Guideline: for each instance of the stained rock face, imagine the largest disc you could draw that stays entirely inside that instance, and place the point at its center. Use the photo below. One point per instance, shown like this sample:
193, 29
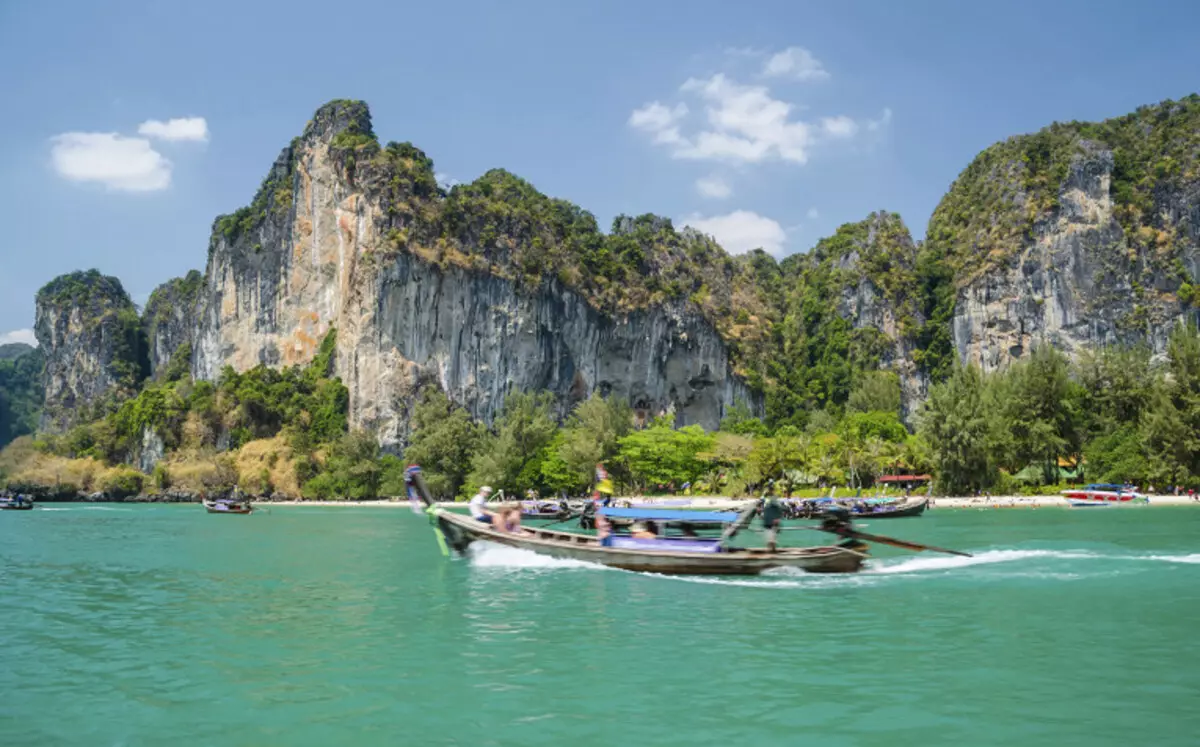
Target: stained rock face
89, 331
1076, 282
170, 318
335, 238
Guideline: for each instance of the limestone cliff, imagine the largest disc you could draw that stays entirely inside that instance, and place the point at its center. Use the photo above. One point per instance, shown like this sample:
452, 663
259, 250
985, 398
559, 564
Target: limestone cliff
481, 291
170, 318
89, 331
1081, 235
852, 305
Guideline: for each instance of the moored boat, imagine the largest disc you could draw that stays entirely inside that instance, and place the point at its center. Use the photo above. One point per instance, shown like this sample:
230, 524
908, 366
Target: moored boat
1104, 492
893, 510
1076, 503
229, 506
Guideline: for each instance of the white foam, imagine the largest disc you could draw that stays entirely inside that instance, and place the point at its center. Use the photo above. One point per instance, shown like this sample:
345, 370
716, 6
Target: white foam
490, 555
1191, 558
948, 562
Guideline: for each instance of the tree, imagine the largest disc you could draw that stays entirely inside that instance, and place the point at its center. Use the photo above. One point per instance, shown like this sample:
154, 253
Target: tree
876, 391
591, 435
660, 454
510, 458
955, 423
739, 419
1040, 410
352, 469
443, 441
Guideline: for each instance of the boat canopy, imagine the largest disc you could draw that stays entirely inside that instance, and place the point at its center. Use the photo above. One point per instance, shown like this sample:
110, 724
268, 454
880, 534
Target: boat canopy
659, 514
1108, 486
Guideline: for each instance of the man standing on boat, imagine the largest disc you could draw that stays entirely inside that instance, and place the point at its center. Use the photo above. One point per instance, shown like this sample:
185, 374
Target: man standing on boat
478, 505
772, 517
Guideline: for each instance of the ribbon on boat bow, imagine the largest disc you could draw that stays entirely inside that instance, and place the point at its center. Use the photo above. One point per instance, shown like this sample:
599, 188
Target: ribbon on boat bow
414, 483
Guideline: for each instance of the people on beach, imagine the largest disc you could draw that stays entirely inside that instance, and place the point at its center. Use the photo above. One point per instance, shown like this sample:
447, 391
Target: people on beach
478, 505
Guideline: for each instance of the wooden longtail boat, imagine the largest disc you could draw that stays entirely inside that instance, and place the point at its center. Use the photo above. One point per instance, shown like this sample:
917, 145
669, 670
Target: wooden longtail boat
10, 502
661, 555
228, 506
893, 510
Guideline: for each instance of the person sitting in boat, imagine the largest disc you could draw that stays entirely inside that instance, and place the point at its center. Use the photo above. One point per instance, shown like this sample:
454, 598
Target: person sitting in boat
641, 530
478, 505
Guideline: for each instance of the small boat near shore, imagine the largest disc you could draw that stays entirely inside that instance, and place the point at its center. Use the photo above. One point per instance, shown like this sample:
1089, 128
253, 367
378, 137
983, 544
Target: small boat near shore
892, 510
228, 506
15, 502
1104, 493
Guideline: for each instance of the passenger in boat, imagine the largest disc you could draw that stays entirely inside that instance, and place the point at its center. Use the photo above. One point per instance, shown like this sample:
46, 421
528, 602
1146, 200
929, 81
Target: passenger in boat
641, 530
603, 530
478, 505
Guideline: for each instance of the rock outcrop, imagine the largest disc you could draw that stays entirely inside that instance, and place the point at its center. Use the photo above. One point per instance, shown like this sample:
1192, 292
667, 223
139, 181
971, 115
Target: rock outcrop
90, 334
169, 319
426, 289
1079, 236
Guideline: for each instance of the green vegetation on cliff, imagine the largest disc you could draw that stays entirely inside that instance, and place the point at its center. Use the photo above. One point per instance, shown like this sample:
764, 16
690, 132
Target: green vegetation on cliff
21, 390
993, 207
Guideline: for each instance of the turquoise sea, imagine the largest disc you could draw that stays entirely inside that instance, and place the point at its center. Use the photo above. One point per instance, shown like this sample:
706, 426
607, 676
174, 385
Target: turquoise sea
163, 625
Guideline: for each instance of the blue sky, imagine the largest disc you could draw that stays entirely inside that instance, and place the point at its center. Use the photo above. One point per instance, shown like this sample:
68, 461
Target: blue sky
763, 122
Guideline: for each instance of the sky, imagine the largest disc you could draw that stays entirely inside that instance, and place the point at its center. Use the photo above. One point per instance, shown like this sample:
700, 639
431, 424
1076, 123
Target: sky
129, 126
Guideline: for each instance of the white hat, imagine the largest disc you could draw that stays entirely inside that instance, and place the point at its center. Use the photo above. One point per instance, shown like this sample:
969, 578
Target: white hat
486, 489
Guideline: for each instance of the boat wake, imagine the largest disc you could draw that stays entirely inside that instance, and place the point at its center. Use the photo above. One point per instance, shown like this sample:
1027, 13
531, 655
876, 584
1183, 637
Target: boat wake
80, 508
944, 562
1031, 563
490, 555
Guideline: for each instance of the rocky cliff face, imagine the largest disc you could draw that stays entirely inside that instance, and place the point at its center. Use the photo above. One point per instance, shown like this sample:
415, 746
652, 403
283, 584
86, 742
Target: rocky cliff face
429, 289
89, 331
1080, 236
170, 318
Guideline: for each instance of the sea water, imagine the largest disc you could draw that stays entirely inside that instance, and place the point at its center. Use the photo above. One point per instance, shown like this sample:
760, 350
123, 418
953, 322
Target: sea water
164, 625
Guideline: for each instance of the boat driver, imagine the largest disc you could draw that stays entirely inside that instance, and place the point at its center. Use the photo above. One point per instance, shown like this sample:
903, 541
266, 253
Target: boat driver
478, 505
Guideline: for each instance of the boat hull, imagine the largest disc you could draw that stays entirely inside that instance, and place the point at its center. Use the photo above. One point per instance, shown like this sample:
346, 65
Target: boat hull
899, 511
461, 532
216, 508
17, 507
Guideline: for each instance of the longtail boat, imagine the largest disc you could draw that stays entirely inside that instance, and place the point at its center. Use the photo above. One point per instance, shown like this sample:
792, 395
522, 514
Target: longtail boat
893, 510
229, 506
690, 555
15, 502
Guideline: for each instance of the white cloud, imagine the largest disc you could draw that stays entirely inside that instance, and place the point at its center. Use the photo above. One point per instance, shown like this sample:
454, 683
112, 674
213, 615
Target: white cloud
796, 63
444, 180
839, 127
659, 121
742, 124
741, 231
714, 187
122, 163
19, 335
812, 214
183, 128
884, 119
746, 124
